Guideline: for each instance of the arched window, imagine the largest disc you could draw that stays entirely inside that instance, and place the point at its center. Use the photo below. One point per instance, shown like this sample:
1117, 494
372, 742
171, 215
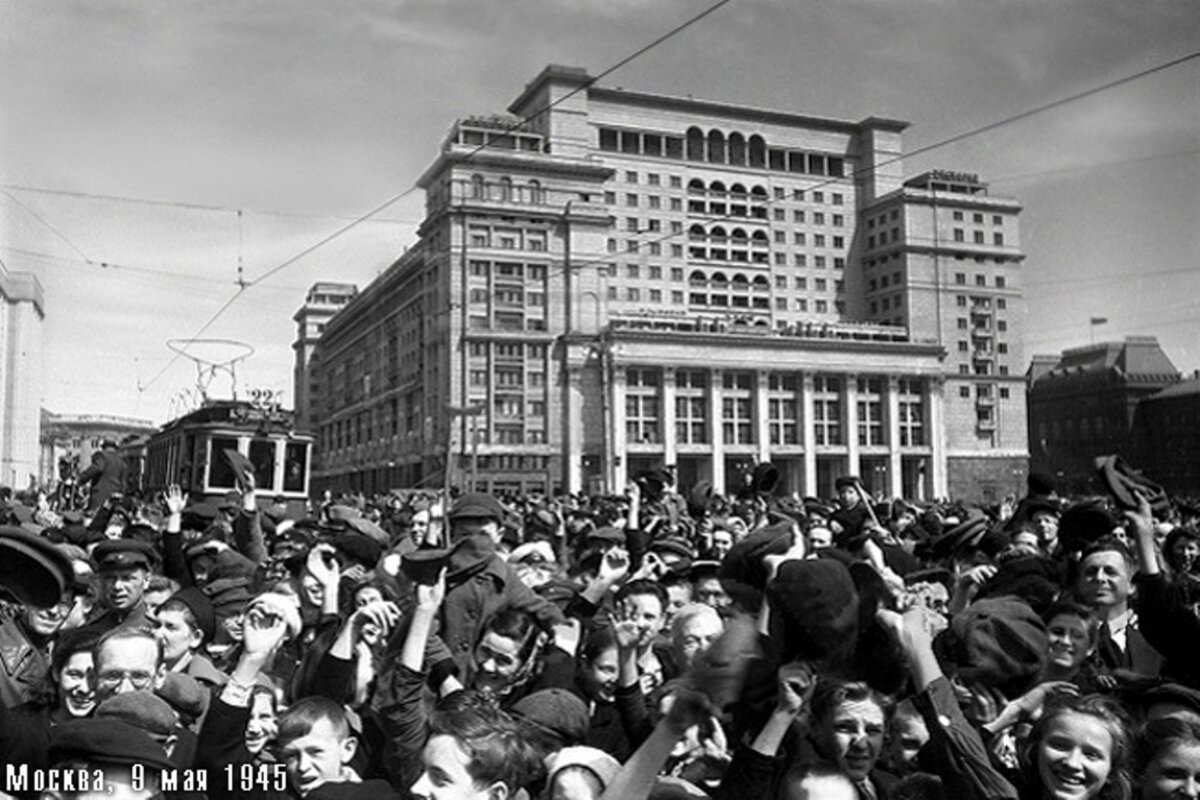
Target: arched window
739, 235
758, 151
697, 234
697, 278
719, 279
506, 190
535, 193
760, 237
717, 187
716, 147
760, 282
758, 193
717, 233
695, 144
738, 191
740, 282
737, 149
478, 187
695, 186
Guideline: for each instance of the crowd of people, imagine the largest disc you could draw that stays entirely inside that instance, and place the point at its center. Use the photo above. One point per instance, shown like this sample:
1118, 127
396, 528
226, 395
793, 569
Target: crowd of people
654, 644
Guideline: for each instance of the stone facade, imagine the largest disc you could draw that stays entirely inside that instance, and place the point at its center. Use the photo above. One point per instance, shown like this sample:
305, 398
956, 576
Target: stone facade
22, 311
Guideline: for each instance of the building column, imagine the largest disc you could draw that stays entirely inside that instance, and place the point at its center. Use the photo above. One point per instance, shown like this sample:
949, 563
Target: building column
937, 436
808, 435
620, 459
667, 398
895, 468
762, 413
572, 427
851, 395
714, 430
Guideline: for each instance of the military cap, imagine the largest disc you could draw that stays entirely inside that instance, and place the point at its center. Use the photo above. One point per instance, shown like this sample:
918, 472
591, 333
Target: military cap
106, 741
118, 553
477, 505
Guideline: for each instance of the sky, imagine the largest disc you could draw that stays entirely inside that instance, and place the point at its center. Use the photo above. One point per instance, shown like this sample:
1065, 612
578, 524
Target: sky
261, 127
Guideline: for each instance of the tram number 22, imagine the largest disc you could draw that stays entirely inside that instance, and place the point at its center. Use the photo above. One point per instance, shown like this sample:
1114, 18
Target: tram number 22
265, 398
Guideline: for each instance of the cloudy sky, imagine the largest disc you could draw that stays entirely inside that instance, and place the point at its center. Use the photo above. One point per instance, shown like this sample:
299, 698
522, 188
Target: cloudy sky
305, 115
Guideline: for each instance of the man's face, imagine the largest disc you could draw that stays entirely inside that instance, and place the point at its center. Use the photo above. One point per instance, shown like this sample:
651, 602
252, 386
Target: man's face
46, 622
678, 596
695, 636
722, 543
848, 496
906, 736
122, 587
75, 691
127, 665
317, 757
1045, 524
710, 592
497, 661
1104, 579
445, 776
819, 538
176, 635
853, 737
646, 612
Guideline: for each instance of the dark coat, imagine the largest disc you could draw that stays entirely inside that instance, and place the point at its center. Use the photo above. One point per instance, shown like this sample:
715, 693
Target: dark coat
106, 475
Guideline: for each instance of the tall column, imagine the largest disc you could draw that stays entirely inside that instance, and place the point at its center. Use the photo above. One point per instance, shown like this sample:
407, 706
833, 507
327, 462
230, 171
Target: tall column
762, 413
851, 396
937, 435
895, 474
617, 404
808, 435
667, 398
572, 424
714, 429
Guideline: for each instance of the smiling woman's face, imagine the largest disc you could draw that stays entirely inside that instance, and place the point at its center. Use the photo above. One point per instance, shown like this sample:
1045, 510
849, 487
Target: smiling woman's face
1074, 757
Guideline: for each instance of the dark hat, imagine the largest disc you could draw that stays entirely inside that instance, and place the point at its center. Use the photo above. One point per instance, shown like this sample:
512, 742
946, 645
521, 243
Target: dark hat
557, 711
201, 607
184, 694
1174, 693
1084, 523
700, 497
1125, 483
815, 507
1034, 579
998, 641
847, 481
142, 709
705, 568
963, 536
240, 464
608, 534
342, 513
743, 573
366, 527
106, 741
228, 595
123, 553
476, 505
232, 501
359, 548
814, 612
673, 545
201, 514
558, 591
931, 575
424, 564
32, 568
878, 658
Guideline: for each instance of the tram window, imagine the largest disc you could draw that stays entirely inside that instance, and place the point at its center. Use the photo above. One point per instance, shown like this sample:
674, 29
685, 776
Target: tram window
262, 456
220, 472
295, 467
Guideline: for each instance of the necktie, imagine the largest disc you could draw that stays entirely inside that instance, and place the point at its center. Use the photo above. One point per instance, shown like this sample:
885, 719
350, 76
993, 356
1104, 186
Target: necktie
866, 790
1109, 652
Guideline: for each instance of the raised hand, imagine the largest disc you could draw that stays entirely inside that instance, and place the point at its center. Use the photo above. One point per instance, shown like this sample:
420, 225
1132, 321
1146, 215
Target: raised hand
263, 630
614, 566
796, 683
430, 598
175, 499
380, 614
323, 566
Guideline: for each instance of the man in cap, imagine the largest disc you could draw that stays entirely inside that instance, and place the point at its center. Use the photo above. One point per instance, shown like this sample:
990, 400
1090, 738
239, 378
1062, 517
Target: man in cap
26, 636
124, 573
478, 581
853, 514
131, 761
185, 623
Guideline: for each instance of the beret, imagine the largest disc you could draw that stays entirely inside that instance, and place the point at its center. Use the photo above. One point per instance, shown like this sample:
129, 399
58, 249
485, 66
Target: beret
141, 709
119, 553
201, 607
997, 641
1125, 483
355, 546
185, 694
557, 711
106, 741
32, 568
476, 505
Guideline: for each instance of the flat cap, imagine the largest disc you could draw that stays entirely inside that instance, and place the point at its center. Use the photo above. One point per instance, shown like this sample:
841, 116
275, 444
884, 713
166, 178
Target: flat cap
106, 741
142, 709
477, 505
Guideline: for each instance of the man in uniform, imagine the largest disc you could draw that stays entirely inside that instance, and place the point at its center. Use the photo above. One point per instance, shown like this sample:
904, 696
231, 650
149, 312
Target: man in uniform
124, 573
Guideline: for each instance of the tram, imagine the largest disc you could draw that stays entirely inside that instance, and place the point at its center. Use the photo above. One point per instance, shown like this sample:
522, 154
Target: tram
190, 451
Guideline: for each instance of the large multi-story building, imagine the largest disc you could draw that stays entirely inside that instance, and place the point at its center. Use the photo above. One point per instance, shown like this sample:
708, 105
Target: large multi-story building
323, 301
22, 310
69, 440
609, 280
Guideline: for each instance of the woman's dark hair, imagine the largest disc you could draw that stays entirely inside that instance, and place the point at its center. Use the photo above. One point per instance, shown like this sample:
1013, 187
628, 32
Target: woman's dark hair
1074, 609
599, 640
516, 624
1114, 719
1159, 735
1173, 538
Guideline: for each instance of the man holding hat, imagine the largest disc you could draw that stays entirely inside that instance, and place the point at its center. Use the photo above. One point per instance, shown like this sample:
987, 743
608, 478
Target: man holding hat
124, 573
478, 581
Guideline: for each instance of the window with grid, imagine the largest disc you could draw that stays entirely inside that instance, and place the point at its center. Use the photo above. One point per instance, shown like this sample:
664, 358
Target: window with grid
912, 412
827, 409
691, 407
870, 411
783, 409
642, 407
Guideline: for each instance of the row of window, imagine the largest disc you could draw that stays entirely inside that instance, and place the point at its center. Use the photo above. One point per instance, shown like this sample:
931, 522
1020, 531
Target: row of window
505, 190
979, 237
717, 147
507, 238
